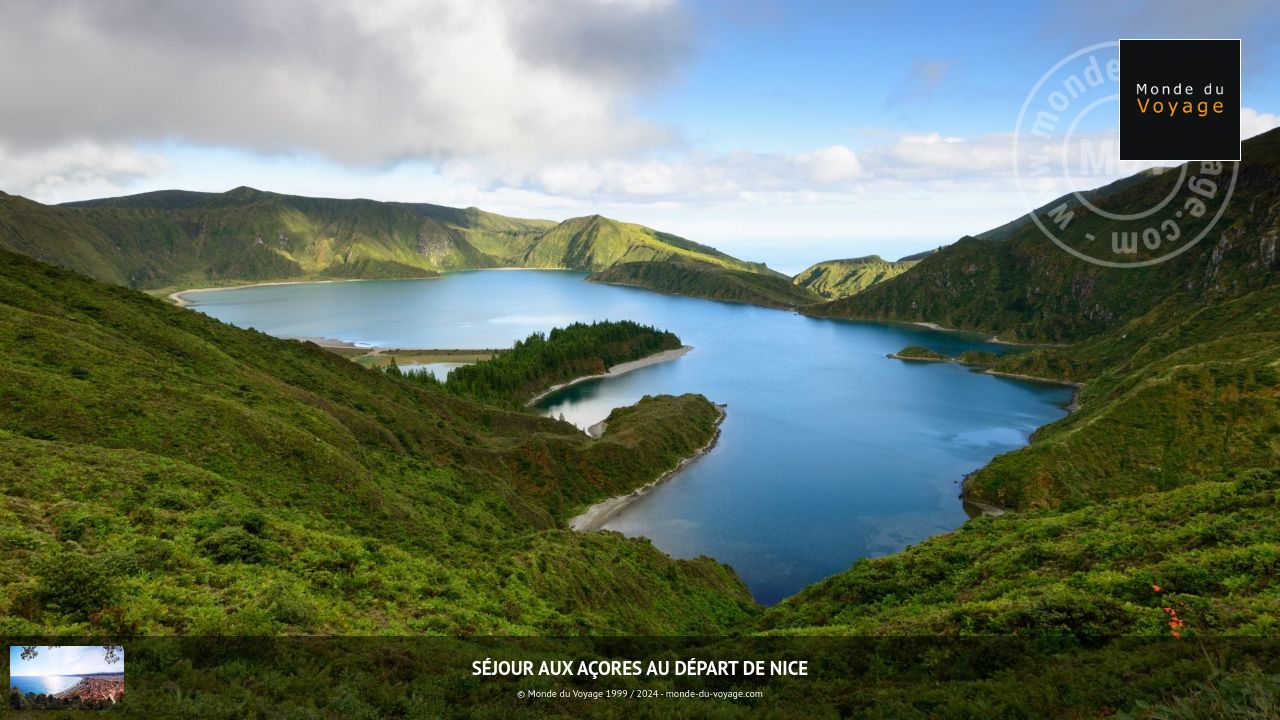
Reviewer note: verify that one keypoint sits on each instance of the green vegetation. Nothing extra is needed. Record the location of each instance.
(385, 357)
(164, 473)
(1166, 477)
(1170, 399)
(176, 239)
(834, 279)
(978, 358)
(705, 280)
(916, 352)
(1014, 283)
(1087, 574)
(542, 360)
(596, 243)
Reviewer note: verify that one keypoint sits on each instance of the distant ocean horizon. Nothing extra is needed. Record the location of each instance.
(43, 684)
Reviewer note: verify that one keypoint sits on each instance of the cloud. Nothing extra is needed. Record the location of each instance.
(76, 170)
(693, 177)
(1253, 122)
(362, 83)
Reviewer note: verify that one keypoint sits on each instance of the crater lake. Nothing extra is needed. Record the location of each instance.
(829, 452)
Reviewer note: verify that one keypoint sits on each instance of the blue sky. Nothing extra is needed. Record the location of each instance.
(782, 131)
(63, 660)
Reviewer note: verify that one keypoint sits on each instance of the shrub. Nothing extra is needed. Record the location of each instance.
(74, 584)
(233, 544)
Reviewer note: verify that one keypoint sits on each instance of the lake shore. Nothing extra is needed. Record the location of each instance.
(1073, 406)
(616, 370)
(180, 301)
(989, 338)
(595, 516)
(908, 358)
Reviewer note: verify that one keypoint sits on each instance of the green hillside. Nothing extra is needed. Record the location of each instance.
(1025, 288)
(165, 473)
(1146, 513)
(832, 279)
(1086, 574)
(595, 243)
(1171, 398)
(178, 238)
(706, 280)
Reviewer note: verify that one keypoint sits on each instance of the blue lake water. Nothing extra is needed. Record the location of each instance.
(42, 684)
(830, 451)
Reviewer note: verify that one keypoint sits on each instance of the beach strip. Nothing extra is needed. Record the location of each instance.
(616, 370)
(595, 517)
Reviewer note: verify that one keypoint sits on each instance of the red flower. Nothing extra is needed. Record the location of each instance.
(1156, 588)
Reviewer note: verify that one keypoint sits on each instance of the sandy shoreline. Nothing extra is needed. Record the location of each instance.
(597, 430)
(177, 297)
(594, 517)
(616, 370)
(983, 508)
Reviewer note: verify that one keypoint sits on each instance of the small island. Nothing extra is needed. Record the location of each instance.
(919, 354)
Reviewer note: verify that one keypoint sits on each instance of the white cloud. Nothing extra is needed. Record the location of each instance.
(364, 83)
(75, 170)
(692, 177)
(1253, 122)
(829, 165)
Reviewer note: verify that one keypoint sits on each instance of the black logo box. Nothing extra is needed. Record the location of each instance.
(1185, 67)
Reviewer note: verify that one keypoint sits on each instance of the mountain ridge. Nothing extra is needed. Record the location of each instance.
(833, 279)
(179, 238)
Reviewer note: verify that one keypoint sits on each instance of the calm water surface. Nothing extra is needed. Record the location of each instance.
(830, 451)
(42, 684)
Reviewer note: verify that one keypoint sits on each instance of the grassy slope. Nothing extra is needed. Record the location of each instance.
(1025, 288)
(1181, 378)
(1212, 547)
(164, 472)
(595, 243)
(1165, 475)
(178, 238)
(1171, 398)
(705, 280)
(832, 279)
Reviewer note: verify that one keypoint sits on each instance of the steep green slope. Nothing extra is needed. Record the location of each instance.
(705, 280)
(1026, 288)
(1210, 547)
(1166, 475)
(178, 238)
(164, 473)
(126, 246)
(832, 279)
(1170, 398)
(595, 243)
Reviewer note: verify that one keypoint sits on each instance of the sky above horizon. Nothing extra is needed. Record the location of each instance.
(786, 132)
(63, 660)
